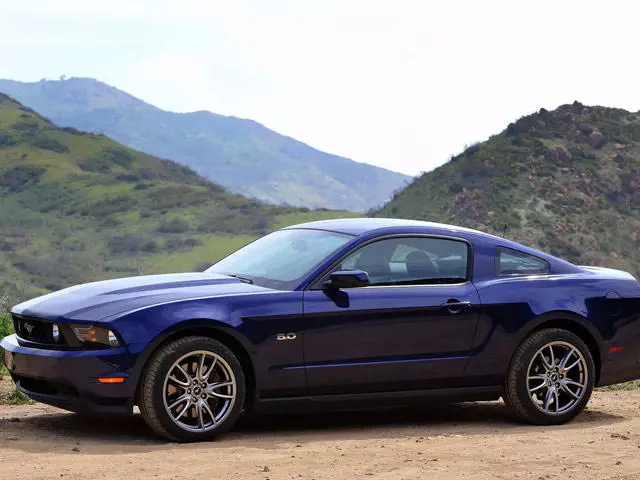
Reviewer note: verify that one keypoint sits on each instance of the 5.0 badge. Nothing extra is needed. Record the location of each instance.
(285, 336)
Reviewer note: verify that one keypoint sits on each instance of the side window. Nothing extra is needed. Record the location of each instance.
(411, 261)
(513, 262)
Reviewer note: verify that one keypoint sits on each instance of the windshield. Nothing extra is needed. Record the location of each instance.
(281, 259)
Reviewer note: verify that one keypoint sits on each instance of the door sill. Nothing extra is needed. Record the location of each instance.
(377, 399)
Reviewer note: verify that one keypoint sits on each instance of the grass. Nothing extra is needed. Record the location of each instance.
(91, 209)
(14, 397)
(632, 385)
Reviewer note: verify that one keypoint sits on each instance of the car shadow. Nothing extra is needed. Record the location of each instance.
(37, 433)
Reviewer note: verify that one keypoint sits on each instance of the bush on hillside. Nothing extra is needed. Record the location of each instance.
(176, 244)
(47, 143)
(117, 155)
(175, 225)
(17, 178)
(131, 243)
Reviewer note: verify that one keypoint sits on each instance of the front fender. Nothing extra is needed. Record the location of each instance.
(143, 331)
(201, 326)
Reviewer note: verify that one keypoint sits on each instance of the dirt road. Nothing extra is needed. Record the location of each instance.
(460, 441)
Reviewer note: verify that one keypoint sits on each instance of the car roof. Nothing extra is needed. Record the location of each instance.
(359, 226)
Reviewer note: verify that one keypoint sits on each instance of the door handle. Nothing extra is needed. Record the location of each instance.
(455, 306)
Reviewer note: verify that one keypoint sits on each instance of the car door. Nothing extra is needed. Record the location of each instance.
(412, 328)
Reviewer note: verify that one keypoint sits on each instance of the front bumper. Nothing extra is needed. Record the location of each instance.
(68, 379)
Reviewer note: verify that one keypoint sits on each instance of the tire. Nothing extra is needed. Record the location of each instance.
(180, 410)
(533, 374)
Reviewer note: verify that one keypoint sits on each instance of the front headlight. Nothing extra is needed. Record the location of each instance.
(89, 334)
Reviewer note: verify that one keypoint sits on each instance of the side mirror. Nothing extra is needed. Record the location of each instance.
(347, 279)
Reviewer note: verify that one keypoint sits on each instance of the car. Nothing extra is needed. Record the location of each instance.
(345, 313)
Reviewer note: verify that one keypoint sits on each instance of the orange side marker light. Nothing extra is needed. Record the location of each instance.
(111, 379)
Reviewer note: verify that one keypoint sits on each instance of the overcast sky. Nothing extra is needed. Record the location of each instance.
(397, 83)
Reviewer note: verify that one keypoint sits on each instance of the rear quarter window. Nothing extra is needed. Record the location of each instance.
(514, 262)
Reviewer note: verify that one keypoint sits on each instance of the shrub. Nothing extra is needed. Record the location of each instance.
(106, 160)
(16, 178)
(174, 244)
(120, 203)
(6, 325)
(47, 143)
(6, 140)
(28, 126)
(175, 225)
(119, 156)
(177, 196)
(94, 164)
(126, 243)
(6, 328)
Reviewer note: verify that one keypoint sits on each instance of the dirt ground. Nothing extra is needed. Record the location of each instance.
(479, 440)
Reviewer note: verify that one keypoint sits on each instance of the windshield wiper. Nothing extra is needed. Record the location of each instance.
(242, 279)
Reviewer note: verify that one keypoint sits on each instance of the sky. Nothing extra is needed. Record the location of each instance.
(402, 84)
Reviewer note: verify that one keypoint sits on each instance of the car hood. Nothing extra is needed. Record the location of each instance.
(100, 300)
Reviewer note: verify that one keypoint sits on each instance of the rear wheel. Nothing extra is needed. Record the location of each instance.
(192, 390)
(550, 378)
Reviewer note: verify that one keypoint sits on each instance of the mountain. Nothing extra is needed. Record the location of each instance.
(77, 207)
(566, 181)
(239, 154)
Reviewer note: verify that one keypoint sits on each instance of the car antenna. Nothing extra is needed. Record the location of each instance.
(504, 231)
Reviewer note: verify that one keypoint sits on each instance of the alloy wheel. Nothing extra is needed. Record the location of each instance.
(557, 377)
(199, 391)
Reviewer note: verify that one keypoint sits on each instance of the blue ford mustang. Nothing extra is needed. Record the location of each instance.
(340, 312)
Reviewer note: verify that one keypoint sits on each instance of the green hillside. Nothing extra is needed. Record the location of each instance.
(566, 181)
(76, 207)
(239, 154)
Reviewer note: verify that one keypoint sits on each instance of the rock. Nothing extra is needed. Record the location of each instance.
(75, 449)
(577, 107)
(563, 155)
(596, 139)
(266, 469)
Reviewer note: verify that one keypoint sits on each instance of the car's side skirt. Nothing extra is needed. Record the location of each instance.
(379, 399)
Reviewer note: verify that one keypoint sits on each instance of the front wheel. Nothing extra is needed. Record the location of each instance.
(550, 378)
(192, 390)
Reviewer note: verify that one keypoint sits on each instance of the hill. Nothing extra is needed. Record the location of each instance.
(77, 207)
(239, 154)
(565, 181)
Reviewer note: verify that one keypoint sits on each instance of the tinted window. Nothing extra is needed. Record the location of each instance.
(513, 262)
(283, 258)
(411, 261)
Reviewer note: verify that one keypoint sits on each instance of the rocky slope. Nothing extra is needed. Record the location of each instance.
(566, 181)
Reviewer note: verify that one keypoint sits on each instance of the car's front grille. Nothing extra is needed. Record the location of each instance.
(38, 331)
